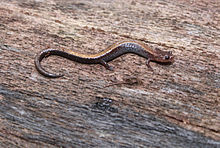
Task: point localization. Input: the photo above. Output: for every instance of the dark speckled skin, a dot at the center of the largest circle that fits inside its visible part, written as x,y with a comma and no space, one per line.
105,56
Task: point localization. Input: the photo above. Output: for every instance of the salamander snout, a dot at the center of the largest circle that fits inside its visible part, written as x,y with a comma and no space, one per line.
168,58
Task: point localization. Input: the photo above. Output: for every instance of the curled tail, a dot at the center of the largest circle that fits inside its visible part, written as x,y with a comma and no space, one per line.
43,54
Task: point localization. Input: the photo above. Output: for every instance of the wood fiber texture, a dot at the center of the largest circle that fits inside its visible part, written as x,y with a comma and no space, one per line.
175,105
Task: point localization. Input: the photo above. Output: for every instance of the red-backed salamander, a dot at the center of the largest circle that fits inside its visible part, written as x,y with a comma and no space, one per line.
107,55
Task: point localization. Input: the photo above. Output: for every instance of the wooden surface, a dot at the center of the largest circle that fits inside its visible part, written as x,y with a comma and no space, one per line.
173,106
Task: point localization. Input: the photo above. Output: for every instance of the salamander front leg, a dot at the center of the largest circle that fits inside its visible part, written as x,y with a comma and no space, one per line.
148,64
105,64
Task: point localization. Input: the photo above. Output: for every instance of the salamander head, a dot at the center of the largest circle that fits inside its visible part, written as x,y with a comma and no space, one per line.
163,56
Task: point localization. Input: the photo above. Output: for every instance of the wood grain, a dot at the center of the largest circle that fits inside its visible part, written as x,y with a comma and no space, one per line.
173,106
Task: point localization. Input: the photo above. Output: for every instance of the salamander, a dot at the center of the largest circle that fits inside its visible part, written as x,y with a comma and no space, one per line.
107,55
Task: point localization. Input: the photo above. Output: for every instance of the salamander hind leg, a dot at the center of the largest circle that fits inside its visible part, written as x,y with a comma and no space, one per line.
106,65
148,64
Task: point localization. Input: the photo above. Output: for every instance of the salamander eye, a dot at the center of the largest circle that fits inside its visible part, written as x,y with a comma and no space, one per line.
166,57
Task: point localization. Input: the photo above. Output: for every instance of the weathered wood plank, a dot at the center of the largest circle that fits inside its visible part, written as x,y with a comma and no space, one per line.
174,106
54,121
